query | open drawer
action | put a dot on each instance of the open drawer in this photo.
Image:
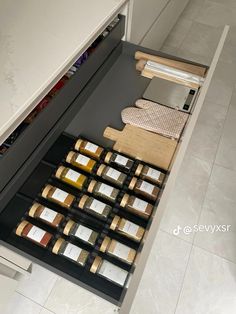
(112, 87)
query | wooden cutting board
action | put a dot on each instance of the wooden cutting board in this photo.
(143, 145)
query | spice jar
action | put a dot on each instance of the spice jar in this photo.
(117, 249)
(81, 232)
(136, 205)
(35, 234)
(112, 175)
(58, 196)
(150, 174)
(94, 206)
(109, 271)
(71, 177)
(127, 228)
(103, 190)
(47, 215)
(70, 251)
(119, 160)
(88, 148)
(144, 188)
(80, 161)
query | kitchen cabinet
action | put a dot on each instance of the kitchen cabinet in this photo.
(91, 100)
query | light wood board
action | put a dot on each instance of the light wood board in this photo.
(195, 69)
(143, 145)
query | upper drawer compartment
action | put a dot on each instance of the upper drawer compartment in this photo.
(30, 138)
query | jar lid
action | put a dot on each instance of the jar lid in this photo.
(46, 190)
(100, 170)
(91, 186)
(114, 223)
(33, 209)
(68, 227)
(132, 183)
(78, 144)
(96, 264)
(124, 200)
(108, 157)
(138, 170)
(83, 201)
(21, 227)
(70, 156)
(105, 244)
(59, 172)
(57, 245)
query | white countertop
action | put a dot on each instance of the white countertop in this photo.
(39, 41)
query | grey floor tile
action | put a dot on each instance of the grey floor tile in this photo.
(215, 14)
(184, 206)
(226, 154)
(228, 3)
(201, 40)
(169, 258)
(68, 298)
(219, 209)
(192, 9)
(38, 285)
(178, 33)
(229, 50)
(222, 85)
(207, 132)
(22, 305)
(209, 285)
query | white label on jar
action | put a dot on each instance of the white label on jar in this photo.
(140, 204)
(91, 147)
(113, 173)
(105, 189)
(72, 251)
(153, 173)
(121, 160)
(113, 272)
(147, 187)
(83, 233)
(48, 214)
(130, 228)
(59, 195)
(82, 160)
(36, 234)
(121, 251)
(97, 206)
(72, 175)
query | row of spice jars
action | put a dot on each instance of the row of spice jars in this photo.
(113, 158)
(78, 255)
(78, 180)
(96, 207)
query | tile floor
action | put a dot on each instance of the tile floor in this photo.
(195, 273)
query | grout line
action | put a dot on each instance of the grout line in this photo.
(28, 298)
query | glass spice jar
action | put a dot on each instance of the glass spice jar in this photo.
(88, 148)
(150, 174)
(112, 175)
(45, 214)
(58, 196)
(71, 177)
(127, 228)
(144, 188)
(118, 250)
(136, 205)
(33, 233)
(70, 251)
(109, 271)
(103, 190)
(119, 160)
(80, 161)
(94, 206)
(81, 232)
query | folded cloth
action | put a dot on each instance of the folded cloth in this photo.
(155, 118)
